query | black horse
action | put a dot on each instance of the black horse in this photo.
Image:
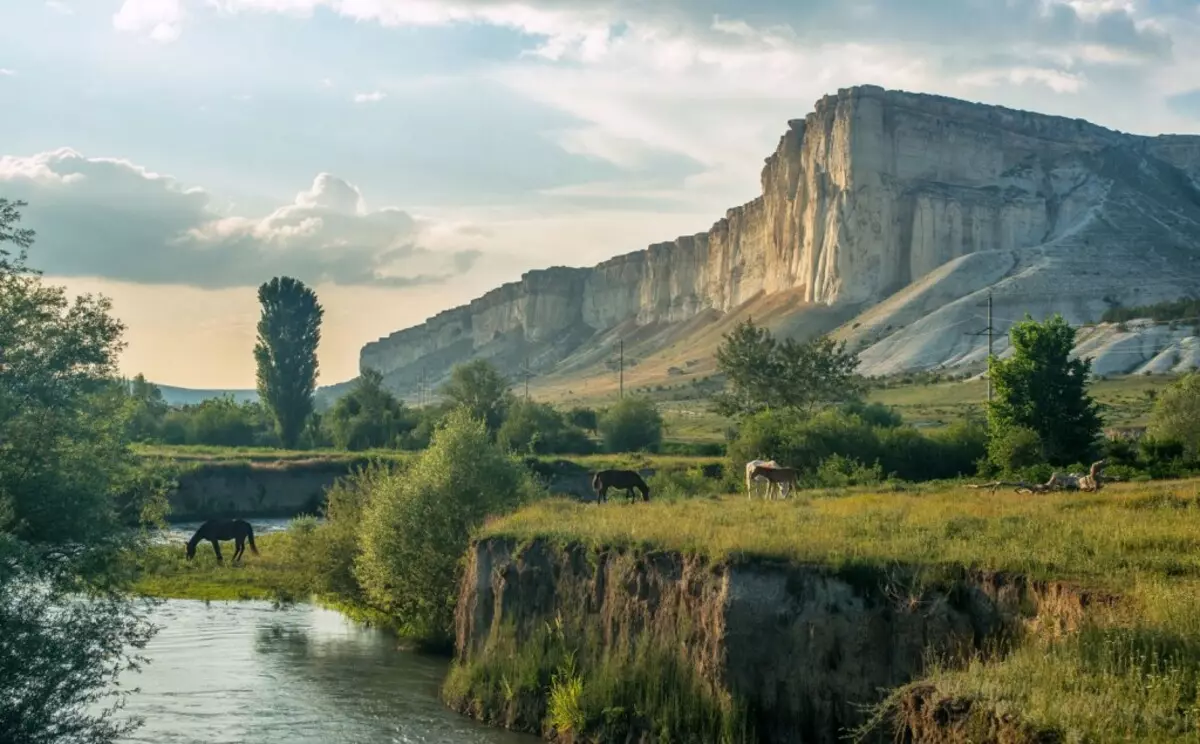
(626, 479)
(214, 530)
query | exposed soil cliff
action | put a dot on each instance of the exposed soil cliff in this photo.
(634, 646)
(874, 195)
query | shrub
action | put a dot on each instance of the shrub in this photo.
(1176, 415)
(417, 524)
(632, 425)
(1015, 448)
(539, 429)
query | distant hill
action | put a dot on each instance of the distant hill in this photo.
(178, 396)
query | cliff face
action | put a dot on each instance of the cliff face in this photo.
(866, 196)
(778, 653)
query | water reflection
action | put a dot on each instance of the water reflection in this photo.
(245, 672)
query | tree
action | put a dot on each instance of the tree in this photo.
(368, 415)
(417, 524)
(286, 353)
(480, 388)
(746, 357)
(763, 373)
(584, 418)
(1176, 415)
(1042, 389)
(537, 428)
(632, 425)
(149, 409)
(69, 489)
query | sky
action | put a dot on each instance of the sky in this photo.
(404, 156)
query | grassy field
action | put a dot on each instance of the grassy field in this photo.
(1131, 674)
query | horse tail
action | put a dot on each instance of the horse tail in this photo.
(596, 481)
(250, 538)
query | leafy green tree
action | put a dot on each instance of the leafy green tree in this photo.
(762, 372)
(286, 353)
(1041, 388)
(1176, 415)
(480, 388)
(538, 428)
(746, 357)
(632, 425)
(368, 415)
(149, 410)
(584, 418)
(69, 488)
(417, 524)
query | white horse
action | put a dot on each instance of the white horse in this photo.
(784, 478)
(750, 466)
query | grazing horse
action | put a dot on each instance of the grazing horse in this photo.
(776, 477)
(214, 530)
(626, 479)
(750, 479)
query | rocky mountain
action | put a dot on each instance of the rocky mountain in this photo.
(886, 217)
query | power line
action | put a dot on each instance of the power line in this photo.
(988, 331)
(526, 372)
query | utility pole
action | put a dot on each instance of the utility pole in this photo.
(527, 373)
(621, 368)
(989, 331)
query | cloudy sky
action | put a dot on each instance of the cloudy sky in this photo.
(403, 156)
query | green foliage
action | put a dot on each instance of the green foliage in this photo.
(219, 422)
(632, 425)
(540, 429)
(369, 416)
(149, 410)
(1041, 388)
(1185, 308)
(1176, 415)
(480, 388)
(69, 488)
(762, 372)
(417, 524)
(899, 451)
(584, 418)
(286, 354)
(1015, 449)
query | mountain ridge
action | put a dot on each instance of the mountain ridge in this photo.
(885, 217)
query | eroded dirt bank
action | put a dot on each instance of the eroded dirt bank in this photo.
(588, 644)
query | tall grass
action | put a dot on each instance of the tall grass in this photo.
(1126, 530)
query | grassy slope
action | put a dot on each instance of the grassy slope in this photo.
(1132, 675)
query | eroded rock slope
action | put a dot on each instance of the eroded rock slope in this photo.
(887, 215)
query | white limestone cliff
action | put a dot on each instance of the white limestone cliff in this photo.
(908, 206)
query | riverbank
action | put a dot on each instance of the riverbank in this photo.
(942, 611)
(266, 483)
(1027, 618)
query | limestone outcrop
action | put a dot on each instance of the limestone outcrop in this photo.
(899, 211)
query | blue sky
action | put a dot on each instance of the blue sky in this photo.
(406, 155)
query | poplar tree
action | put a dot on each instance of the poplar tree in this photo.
(286, 354)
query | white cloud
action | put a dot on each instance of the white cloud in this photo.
(160, 20)
(110, 218)
(373, 97)
(5, 72)
(1056, 80)
(60, 7)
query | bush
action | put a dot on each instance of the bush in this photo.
(1015, 448)
(539, 429)
(1176, 415)
(417, 524)
(632, 425)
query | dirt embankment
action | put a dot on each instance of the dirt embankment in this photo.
(286, 488)
(254, 489)
(781, 653)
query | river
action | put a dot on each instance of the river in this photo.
(234, 672)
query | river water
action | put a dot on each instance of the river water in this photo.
(233, 672)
